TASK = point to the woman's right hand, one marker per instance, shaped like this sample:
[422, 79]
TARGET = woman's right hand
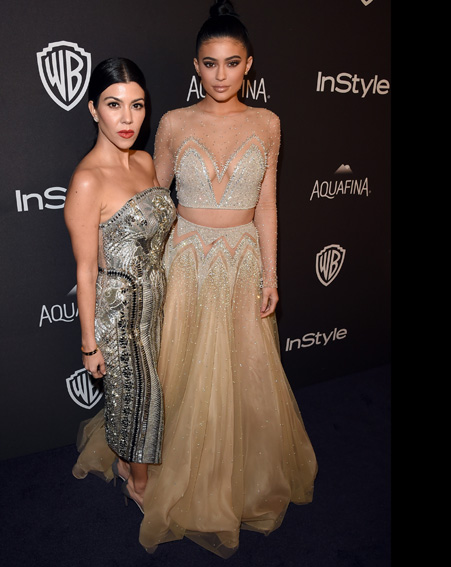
[95, 364]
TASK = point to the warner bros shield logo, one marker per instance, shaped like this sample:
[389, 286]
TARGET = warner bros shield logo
[65, 70]
[84, 390]
[329, 262]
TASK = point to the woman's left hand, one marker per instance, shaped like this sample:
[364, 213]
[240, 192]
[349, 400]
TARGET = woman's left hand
[270, 297]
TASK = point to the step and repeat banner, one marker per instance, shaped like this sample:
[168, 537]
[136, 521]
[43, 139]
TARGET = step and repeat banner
[322, 65]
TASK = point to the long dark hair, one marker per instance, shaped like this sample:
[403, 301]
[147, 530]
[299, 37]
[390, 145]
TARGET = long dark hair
[111, 71]
[223, 22]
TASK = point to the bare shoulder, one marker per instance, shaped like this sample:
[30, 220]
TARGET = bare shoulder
[144, 162]
[84, 198]
[85, 183]
[83, 178]
[145, 167]
[143, 159]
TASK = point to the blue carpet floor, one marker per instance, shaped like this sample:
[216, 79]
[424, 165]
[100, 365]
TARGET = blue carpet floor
[50, 519]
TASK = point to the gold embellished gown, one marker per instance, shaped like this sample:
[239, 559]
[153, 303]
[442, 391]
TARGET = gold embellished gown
[131, 286]
[235, 450]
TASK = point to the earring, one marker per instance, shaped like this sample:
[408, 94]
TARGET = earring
[95, 119]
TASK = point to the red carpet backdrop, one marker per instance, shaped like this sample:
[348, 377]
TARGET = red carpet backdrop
[322, 65]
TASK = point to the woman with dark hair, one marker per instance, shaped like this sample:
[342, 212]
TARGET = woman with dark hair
[118, 218]
[235, 450]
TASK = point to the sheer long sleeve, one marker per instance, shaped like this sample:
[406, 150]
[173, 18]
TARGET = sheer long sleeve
[266, 211]
[163, 154]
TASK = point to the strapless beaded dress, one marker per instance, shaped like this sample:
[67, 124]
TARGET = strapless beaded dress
[131, 287]
[235, 449]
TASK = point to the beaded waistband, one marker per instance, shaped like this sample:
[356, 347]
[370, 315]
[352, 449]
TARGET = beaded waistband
[209, 234]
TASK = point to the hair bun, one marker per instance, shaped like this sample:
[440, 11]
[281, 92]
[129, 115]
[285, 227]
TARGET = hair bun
[222, 8]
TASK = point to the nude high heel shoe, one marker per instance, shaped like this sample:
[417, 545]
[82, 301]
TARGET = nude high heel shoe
[115, 470]
[128, 497]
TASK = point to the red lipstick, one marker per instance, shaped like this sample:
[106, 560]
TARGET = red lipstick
[126, 133]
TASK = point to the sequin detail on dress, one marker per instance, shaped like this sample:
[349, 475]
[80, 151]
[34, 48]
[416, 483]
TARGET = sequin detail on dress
[225, 162]
[235, 450]
[194, 186]
[131, 288]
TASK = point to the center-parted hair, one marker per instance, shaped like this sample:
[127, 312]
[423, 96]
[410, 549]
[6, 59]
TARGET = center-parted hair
[223, 22]
[111, 71]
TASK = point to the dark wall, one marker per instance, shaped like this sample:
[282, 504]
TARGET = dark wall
[322, 65]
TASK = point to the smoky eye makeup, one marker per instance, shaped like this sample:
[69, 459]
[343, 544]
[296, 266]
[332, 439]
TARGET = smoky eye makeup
[209, 63]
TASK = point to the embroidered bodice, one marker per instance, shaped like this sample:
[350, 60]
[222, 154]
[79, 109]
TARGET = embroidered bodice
[240, 190]
[219, 162]
[132, 240]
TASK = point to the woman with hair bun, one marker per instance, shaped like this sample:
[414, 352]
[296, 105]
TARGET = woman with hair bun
[118, 219]
[235, 451]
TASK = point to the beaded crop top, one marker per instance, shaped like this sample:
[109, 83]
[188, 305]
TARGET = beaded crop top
[219, 162]
[193, 180]
[224, 162]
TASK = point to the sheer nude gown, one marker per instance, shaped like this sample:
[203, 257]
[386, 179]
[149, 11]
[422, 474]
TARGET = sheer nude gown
[235, 450]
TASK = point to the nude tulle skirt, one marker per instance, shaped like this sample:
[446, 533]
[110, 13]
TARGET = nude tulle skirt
[235, 450]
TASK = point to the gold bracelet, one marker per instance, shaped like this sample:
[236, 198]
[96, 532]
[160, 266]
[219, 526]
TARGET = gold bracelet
[90, 353]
